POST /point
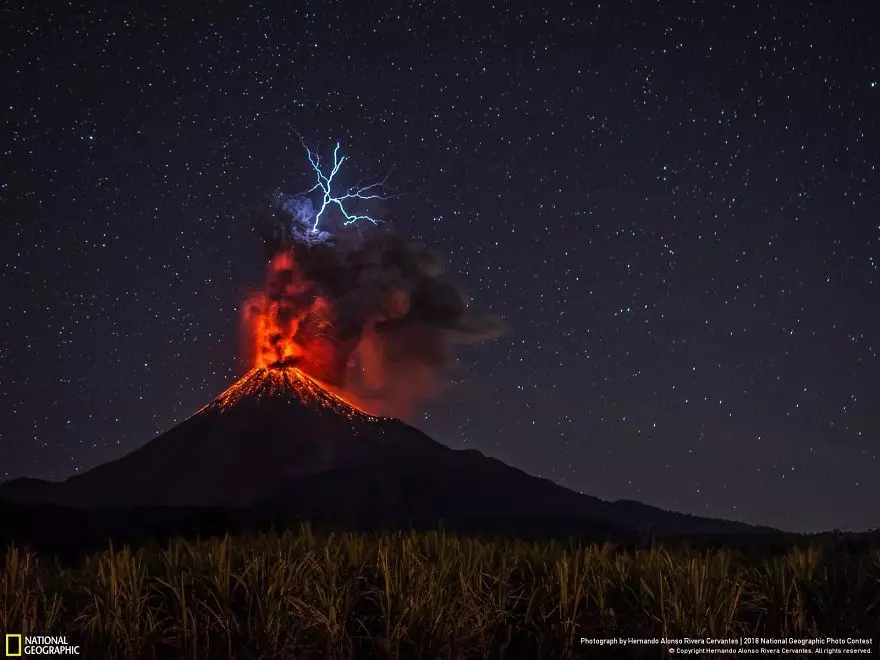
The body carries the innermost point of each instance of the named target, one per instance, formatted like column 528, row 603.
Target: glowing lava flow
column 282, row 381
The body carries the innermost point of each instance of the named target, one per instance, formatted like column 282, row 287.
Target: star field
column 675, row 208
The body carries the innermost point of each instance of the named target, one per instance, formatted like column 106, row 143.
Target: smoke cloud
column 361, row 309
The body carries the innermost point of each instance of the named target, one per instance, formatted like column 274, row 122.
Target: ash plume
column 363, row 310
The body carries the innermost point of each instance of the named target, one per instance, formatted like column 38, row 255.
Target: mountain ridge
column 278, row 441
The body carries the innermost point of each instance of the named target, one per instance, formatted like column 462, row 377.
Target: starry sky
column 674, row 206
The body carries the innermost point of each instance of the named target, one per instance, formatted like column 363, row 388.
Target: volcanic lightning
column 325, row 185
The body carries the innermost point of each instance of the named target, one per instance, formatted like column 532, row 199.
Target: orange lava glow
column 287, row 325
column 287, row 321
column 272, row 326
column 282, row 381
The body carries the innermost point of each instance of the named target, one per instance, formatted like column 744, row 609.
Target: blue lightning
column 325, row 185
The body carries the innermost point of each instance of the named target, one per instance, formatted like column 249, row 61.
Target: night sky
column 675, row 207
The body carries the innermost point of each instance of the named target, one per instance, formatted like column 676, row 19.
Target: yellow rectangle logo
column 13, row 646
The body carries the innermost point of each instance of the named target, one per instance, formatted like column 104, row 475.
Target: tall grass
column 429, row 595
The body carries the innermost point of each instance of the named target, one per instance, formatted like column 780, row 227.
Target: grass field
column 430, row 595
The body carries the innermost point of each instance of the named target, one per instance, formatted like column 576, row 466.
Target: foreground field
column 298, row 595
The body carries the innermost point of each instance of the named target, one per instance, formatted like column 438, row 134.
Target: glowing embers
column 282, row 380
column 273, row 315
column 289, row 319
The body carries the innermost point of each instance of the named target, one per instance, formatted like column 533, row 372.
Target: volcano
column 280, row 441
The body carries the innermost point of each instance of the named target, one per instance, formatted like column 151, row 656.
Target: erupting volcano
column 278, row 442
column 348, row 332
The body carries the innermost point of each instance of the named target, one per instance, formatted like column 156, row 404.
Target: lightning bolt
column 325, row 185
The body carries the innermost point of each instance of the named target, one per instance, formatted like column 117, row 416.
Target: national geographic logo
column 21, row 645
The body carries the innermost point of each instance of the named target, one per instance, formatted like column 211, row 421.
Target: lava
column 273, row 321
column 284, row 380
column 289, row 319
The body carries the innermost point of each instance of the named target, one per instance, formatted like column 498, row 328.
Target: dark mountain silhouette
column 278, row 444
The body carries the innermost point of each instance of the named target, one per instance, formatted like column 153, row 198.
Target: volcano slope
column 278, row 444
